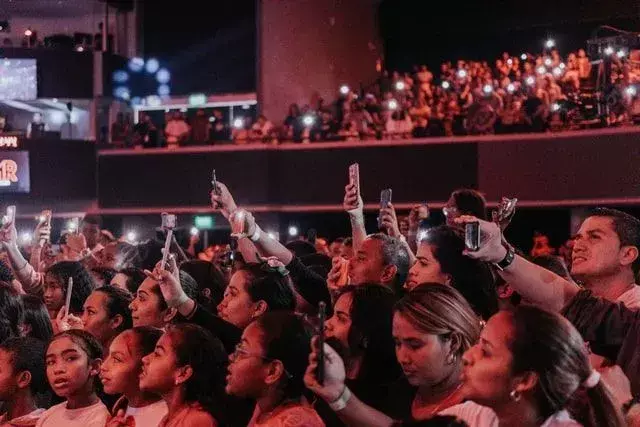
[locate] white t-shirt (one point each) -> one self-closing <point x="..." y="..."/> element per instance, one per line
<point x="631" y="298"/>
<point x="149" y="415"/>
<point x="473" y="414"/>
<point x="59" y="416"/>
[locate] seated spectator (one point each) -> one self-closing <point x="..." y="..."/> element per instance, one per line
<point x="176" y="131"/>
<point x="261" y="129"/>
<point x="220" y="129"/>
<point x="200" y="128"/>
<point x="292" y="126"/>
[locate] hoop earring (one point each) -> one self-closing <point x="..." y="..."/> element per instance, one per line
<point x="515" y="395"/>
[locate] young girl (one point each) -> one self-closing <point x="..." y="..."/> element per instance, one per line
<point x="106" y="313"/>
<point x="187" y="368"/>
<point x="36" y="322"/>
<point x="119" y="374"/>
<point x="22" y="379"/>
<point x="56" y="280"/>
<point x="268" y="366"/>
<point x="73" y="361"/>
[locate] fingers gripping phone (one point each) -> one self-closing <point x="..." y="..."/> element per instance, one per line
<point x="322" y="317"/>
<point x="354" y="177"/>
<point x="10" y="217"/>
<point x="385" y="200"/>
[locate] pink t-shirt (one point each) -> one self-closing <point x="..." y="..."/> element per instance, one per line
<point x="59" y="416"/>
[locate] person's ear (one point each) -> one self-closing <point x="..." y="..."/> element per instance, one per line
<point x="23" y="380"/>
<point x="169" y="314"/>
<point x="448" y="280"/>
<point x="505" y="291"/>
<point x="94" y="367"/>
<point x="388" y="273"/>
<point x="116" y="321"/>
<point x="628" y="255"/>
<point x="525" y="382"/>
<point x="183" y="374"/>
<point x="206" y="292"/>
<point x="260" y="308"/>
<point x="275" y="372"/>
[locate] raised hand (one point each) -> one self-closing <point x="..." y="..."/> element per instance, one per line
<point x="9" y="235"/>
<point x="389" y="221"/>
<point x="334" y="373"/>
<point x="337" y="277"/>
<point x="352" y="202"/>
<point x="169" y="282"/>
<point x="222" y="200"/>
<point x="491" y="247"/>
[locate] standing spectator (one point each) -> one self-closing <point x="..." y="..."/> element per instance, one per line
<point x="145" y="132"/>
<point x="261" y="129"/>
<point x="176" y="131"/>
<point x="120" y="130"/>
<point x="220" y="130"/>
<point x="425" y="77"/>
<point x="293" y="124"/>
<point x="201" y="128"/>
<point x="584" y="65"/>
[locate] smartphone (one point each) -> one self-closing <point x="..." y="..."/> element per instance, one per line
<point x="322" y="317"/>
<point x="74" y="225"/>
<point x="354" y="176"/>
<point x="11" y="214"/>
<point x="168" y="221"/>
<point x="45" y="217"/>
<point x="472" y="236"/>
<point x="385" y="199"/>
<point x="214" y="184"/>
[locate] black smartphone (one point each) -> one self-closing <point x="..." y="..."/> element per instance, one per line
<point x="472" y="236"/>
<point x="385" y="199"/>
<point x="214" y="184"/>
<point x="322" y="317"/>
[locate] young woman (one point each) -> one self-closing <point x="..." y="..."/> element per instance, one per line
<point x="119" y="375"/>
<point x="56" y="281"/>
<point x="22" y="379"/>
<point x="11" y="312"/>
<point x="106" y="313"/>
<point x="528" y="367"/>
<point x="73" y="362"/>
<point x="36" y="322"/>
<point x="252" y="291"/>
<point x="211" y="282"/>
<point x="433" y="326"/>
<point x="149" y="308"/>
<point x="268" y="366"/>
<point x="187" y="369"/>
<point x="439" y="259"/>
<point x="128" y="279"/>
<point x="360" y="331"/>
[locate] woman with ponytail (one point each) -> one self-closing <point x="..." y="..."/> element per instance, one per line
<point x="529" y="366"/>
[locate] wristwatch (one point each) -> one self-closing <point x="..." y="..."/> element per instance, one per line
<point x="508" y="258"/>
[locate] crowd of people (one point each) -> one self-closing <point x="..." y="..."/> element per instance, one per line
<point x="410" y="325"/>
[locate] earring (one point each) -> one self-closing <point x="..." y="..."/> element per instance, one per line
<point x="515" y="395"/>
<point x="451" y="359"/>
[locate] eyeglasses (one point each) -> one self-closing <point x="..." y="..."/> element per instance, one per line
<point x="240" y="353"/>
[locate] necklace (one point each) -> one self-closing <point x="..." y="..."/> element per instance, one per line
<point x="444" y="403"/>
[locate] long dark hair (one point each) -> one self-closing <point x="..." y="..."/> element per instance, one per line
<point x="549" y="345"/>
<point x="118" y="301"/>
<point x="11" y="312"/>
<point x="370" y="335"/>
<point x="82" y="282"/>
<point x="472" y="278"/>
<point x="36" y="317"/>
<point x="270" y="286"/>
<point x="208" y="276"/>
<point x="196" y="347"/>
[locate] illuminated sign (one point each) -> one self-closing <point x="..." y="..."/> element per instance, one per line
<point x="14" y="172"/>
<point x="9" y="141"/>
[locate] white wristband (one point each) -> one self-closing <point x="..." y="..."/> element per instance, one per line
<point x="256" y="234"/>
<point x="341" y="402"/>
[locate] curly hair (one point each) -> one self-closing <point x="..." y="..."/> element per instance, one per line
<point x="82" y="282"/>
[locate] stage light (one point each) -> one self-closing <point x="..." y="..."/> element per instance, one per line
<point x="446" y="85"/>
<point x="487" y="89"/>
<point x="511" y="88"/>
<point x="510" y="61"/>
<point x="28" y="32"/>
<point x="608" y="51"/>
<point x="462" y="74"/>
<point x="136" y="64"/>
<point x="531" y="81"/>
<point x="555" y="107"/>
<point x="79" y="48"/>
<point x="163" y="76"/>
<point x="122" y="92"/>
<point x="523" y="56"/>
<point x="132" y="236"/>
<point x="194" y="231"/>
<point x="164" y="90"/>
<point x="293" y="231"/>
<point x="393" y="104"/>
<point x="238" y="123"/>
<point x="308" y="120"/>
<point x="541" y="70"/>
<point x="621" y="53"/>
<point x="631" y="91"/>
<point x="550" y="43"/>
<point x="344" y="89"/>
<point x="26" y="237"/>
<point x="120" y="76"/>
<point x="152" y="65"/>
<point x="548" y="62"/>
<point x="400" y="85"/>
